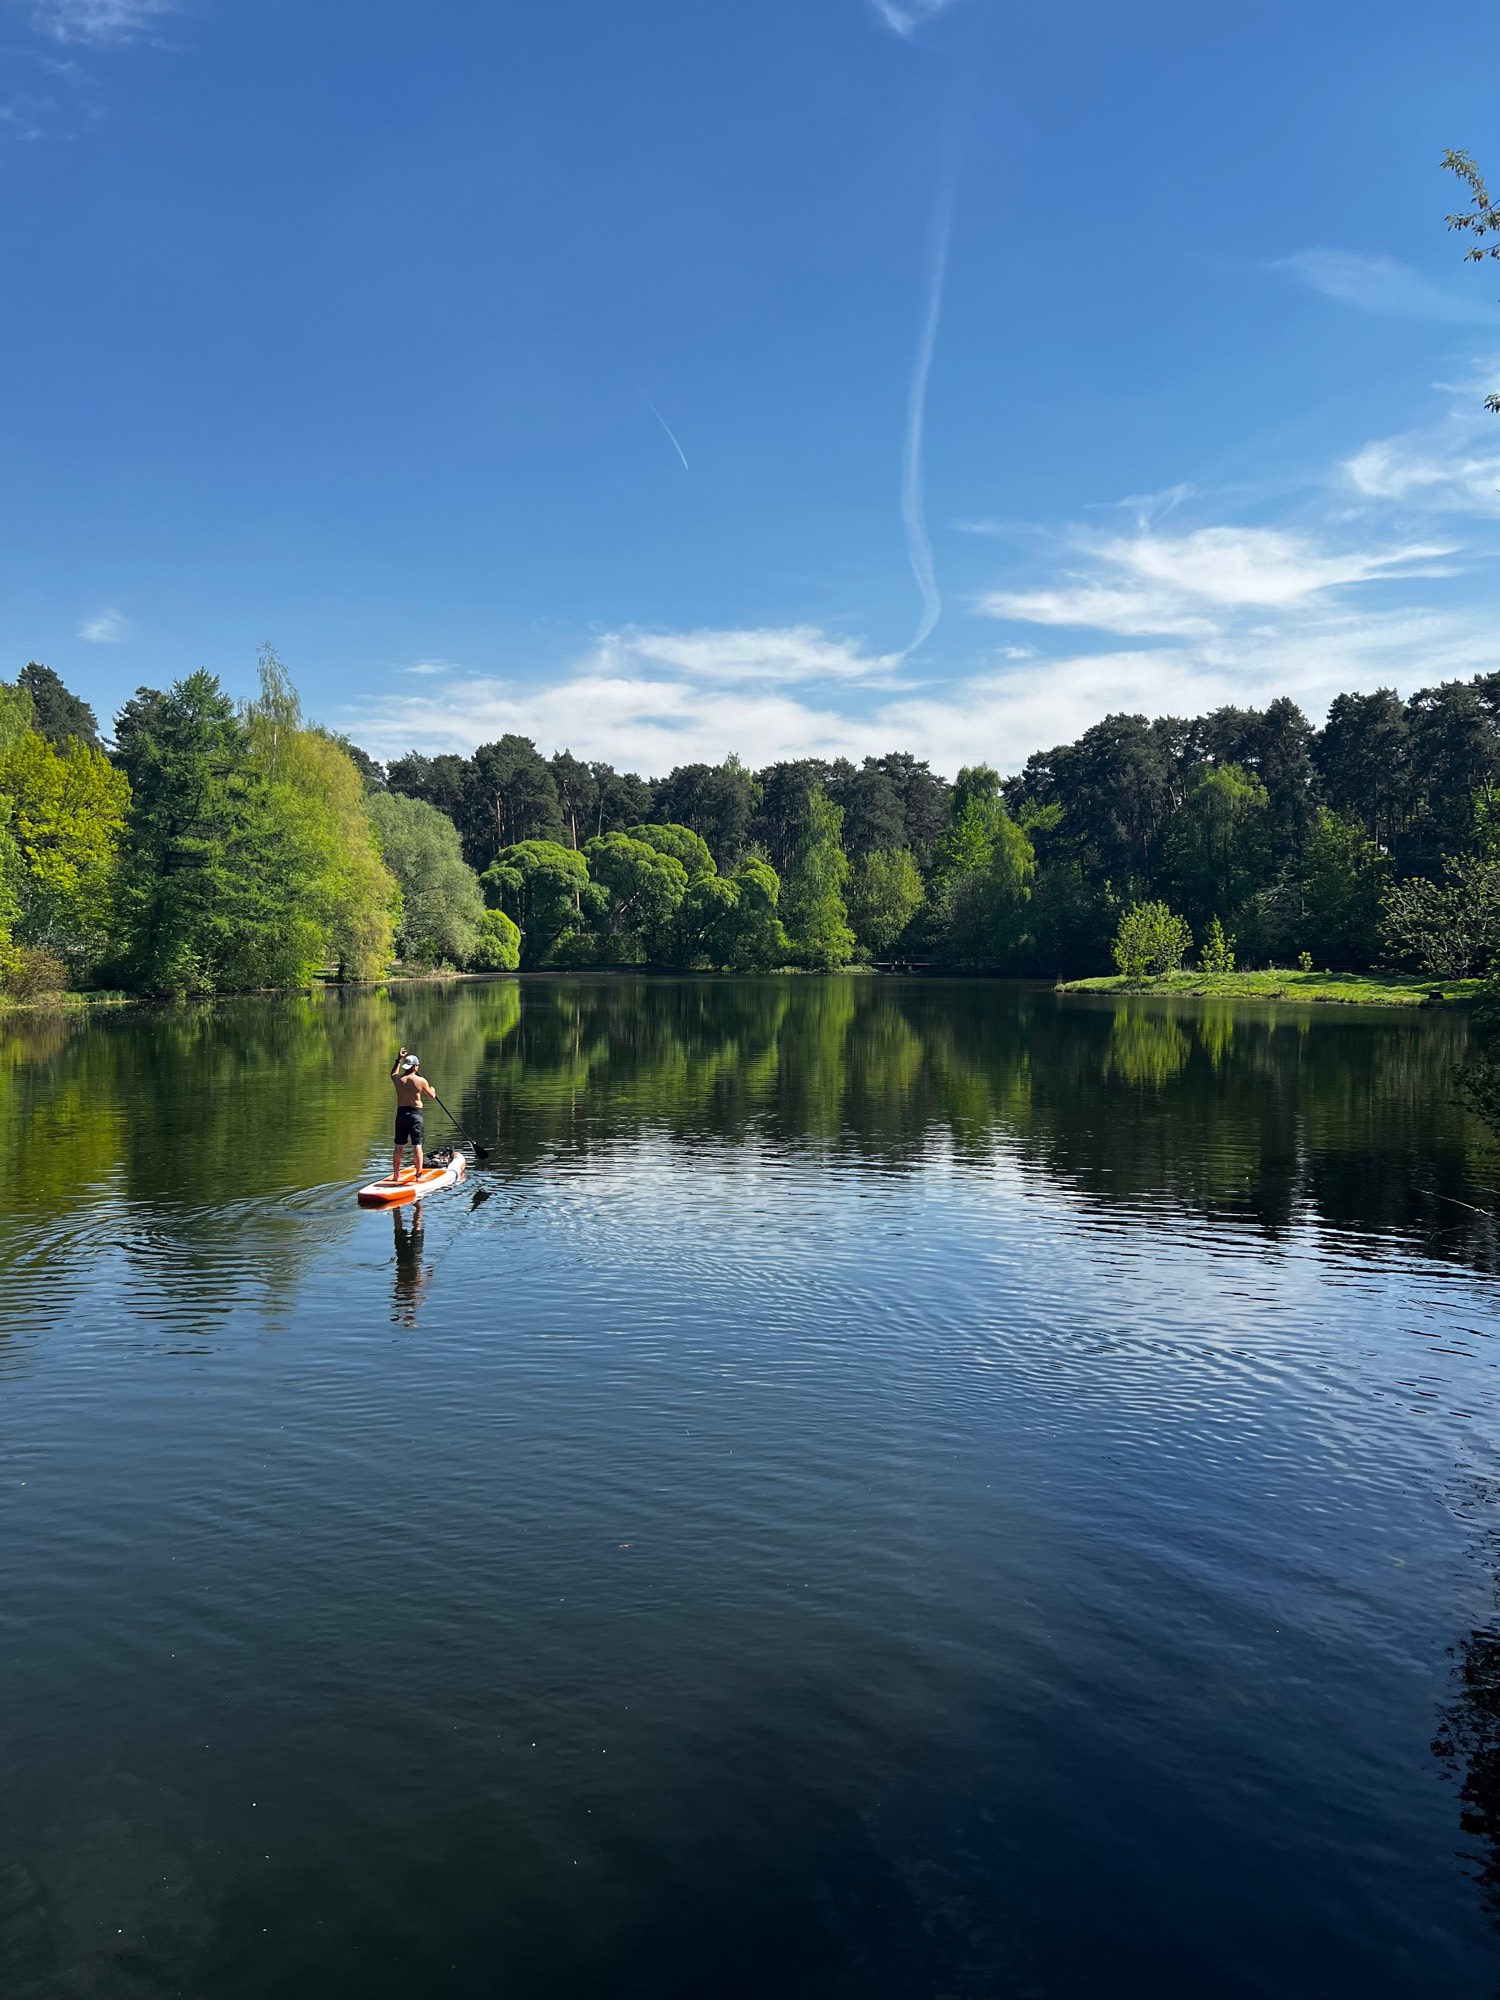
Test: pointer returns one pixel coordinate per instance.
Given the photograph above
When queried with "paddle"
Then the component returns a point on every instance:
(480, 1152)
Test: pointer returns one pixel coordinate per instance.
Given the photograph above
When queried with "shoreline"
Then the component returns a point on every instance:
(1348, 989)
(1339, 989)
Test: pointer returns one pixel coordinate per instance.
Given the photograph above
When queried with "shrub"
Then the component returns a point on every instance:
(1451, 931)
(497, 946)
(1218, 950)
(31, 972)
(1152, 941)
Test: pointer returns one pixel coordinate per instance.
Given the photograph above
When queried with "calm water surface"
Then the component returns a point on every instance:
(882, 1489)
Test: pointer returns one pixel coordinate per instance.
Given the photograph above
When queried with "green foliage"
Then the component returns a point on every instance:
(978, 813)
(730, 922)
(440, 899)
(1152, 942)
(358, 897)
(705, 925)
(31, 972)
(760, 940)
(885, 892)
(682, 844)
(1221, 814)
(545, 889)
(1072, 917)
(986, 908)
(57, 714)
(66, 815)
(1452, 931)
(1216, 849)
(16, 716)
(509, 795)
(213, 884)
(497, 943)
(815, 914)
(12, 870)
(643, 891)
(716, 801)
(1482, 217)
(981, 880)
(316, 793)
(1333, 907)
(1218, 950)
(1304, 961)
(253, 855)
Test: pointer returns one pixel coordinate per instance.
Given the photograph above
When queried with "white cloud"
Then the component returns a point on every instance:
(1191, 585)
(1261, 566)
(99, 21)
(769, 656)
(1005, 716)
(906, 16)
(428, 667)
(1208, 615)
(613, 707)
(1408, 470)
(1381, 285)
(107, 628)
(1100, 607)
(1448, 467)
(633, 721)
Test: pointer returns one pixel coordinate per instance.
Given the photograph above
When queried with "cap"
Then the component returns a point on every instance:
(411, 1063)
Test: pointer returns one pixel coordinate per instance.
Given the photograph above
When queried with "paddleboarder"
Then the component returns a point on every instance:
(411, 1088)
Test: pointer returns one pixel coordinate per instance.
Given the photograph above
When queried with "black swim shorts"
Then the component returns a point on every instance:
(408, 1125)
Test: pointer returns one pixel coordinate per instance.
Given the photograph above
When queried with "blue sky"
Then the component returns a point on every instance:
(564, 367)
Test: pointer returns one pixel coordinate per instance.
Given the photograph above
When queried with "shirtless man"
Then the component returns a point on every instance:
(411, 1088)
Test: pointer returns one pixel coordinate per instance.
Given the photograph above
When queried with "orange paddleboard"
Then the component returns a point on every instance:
(385, 1194)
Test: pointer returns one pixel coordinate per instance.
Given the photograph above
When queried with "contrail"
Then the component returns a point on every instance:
(669, 431)
(913, 497)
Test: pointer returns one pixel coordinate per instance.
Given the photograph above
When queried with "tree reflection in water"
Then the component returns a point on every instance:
(1146, 1050)
(1468, 1742)
(1268, 1114)
(207, 1121)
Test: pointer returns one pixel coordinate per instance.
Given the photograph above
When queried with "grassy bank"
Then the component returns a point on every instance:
(66, 1002)
(1357, 989)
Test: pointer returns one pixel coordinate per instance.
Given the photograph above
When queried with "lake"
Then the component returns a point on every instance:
(880, 1488)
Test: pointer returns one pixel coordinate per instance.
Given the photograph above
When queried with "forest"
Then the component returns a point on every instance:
(215, 847)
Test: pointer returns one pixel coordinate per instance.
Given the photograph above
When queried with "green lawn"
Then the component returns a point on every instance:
(1364, 989)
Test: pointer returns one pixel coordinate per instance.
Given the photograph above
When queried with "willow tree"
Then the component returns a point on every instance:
(544, 888)
(314, 788)
(643, 891)
(812, 894)
(440, 900)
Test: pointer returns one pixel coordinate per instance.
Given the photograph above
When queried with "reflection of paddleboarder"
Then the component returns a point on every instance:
(411, 1088)
(411, 1273)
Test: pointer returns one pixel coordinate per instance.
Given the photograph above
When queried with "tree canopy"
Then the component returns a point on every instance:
(217, 848)
(441, 903)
